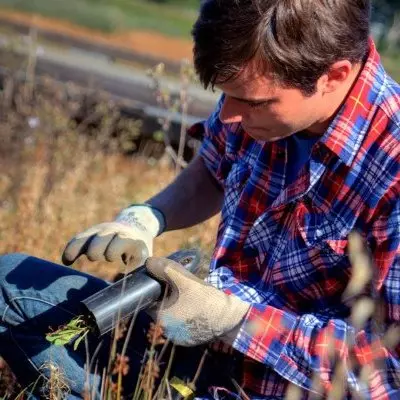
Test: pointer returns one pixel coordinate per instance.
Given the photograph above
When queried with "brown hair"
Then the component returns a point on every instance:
(295, 40)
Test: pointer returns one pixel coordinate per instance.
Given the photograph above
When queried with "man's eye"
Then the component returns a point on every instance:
(256, 105)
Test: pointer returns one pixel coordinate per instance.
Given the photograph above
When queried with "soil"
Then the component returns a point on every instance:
(152, 43)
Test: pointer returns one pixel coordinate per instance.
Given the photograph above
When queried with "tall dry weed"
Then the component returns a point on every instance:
(63, 171)
(57, 180)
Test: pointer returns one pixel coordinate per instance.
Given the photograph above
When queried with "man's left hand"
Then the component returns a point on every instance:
(193, 312)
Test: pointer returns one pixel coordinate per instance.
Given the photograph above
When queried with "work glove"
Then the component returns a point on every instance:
(194, 312)
(129, 238)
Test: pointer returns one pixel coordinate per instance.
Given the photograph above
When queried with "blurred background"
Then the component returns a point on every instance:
(95, 99)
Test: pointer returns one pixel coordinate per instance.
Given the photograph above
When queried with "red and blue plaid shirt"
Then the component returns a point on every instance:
(283, 249)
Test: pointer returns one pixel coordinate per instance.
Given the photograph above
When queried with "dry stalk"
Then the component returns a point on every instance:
(165, 100)
(56, 385)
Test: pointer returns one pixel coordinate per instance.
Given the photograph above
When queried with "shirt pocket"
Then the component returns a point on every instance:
(327, 232)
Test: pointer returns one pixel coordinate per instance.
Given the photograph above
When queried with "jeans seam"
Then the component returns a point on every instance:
(14, 299)
(26, 356)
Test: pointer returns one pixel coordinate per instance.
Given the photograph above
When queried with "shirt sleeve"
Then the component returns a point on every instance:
(303, 347)
(213, 136)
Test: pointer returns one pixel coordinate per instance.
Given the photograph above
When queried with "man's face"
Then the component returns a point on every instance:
(268, 111)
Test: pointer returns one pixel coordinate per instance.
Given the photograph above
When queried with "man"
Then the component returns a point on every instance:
(302, 149)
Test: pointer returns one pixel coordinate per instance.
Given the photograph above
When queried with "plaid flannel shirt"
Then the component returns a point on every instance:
(283, 249)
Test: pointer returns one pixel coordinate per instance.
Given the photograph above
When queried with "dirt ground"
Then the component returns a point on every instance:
(152, 43)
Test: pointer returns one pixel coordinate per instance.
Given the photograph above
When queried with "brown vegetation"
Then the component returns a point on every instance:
(58, 180)
(153, 43)
(62, 174)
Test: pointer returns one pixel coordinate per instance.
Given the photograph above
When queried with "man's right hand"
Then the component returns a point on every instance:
(128, 239)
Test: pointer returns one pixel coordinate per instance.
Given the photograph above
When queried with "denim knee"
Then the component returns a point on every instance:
(25, 276)
(10, 261)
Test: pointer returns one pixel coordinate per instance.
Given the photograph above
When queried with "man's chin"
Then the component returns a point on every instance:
(266, 136)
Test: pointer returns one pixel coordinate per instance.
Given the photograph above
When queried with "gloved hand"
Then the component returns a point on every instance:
(194, 312)
(128, 239)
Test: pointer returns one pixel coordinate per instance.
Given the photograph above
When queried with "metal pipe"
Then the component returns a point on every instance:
(135, 292)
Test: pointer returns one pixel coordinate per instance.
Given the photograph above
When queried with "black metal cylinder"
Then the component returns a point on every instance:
(135, 292)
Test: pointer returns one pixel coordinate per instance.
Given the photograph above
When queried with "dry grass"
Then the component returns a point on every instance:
(61, 174)
(58, 181)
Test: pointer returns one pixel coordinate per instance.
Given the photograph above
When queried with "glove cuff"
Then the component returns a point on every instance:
(143, 216)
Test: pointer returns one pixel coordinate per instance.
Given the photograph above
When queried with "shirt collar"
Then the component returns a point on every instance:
(347, 131)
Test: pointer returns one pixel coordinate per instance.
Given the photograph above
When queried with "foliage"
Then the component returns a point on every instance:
(61, 174)
(386, 24)
(392, 65)
(56, 180)
(75, 331)
(118, 15)
(383, 10)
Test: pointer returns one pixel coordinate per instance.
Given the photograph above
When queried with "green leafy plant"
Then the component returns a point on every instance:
(75, 331)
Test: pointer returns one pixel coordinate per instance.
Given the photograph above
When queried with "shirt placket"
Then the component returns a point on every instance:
(287, 201)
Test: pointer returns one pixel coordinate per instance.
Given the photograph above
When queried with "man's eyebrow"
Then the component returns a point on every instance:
(254, 101)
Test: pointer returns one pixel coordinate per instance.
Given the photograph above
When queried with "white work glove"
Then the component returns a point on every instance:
(129, 238)
(194, 312)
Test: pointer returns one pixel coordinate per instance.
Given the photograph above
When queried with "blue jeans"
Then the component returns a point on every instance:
(37, 294)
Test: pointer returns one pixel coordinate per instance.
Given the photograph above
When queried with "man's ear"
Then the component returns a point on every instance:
(338, 74)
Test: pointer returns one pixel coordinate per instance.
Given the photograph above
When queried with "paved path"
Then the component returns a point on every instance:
(96, 70)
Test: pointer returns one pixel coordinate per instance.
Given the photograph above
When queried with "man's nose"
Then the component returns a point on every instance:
(230, 111)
